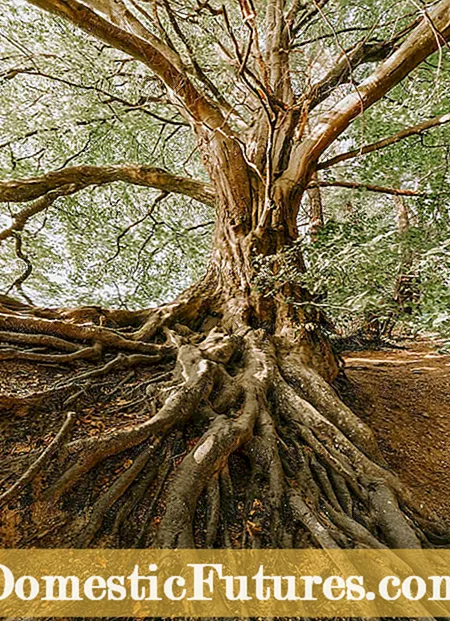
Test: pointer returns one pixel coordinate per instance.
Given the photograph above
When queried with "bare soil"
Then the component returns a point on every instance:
(404, 395)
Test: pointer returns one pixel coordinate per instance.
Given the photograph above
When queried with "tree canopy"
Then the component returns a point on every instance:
(72, 101)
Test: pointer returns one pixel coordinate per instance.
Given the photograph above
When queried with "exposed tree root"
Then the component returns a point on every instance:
(310, 521)
(213, 513)
(193, 304)
(37, 466)
(390, 519)
(145, 534)
(242, 445)
(136, 495)
(21, 405)
(71, 331)
(119, 362)
(86, 353)
(177, 409)
(39, 340)
(116, 491)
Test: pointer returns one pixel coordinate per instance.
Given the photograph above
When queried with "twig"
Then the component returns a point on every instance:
(353, 185)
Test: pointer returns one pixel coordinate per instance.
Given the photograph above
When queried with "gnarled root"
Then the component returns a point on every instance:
(236, 443)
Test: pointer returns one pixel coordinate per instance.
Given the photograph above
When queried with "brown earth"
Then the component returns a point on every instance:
(404, 395)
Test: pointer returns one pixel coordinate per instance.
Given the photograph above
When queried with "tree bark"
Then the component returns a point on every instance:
(316, 219)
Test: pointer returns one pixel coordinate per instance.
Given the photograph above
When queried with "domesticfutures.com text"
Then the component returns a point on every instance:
(203, 582)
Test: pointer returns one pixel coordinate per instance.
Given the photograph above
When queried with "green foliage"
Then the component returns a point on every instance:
(105, 247)
(74, 102)
(353, 269)
(433, 265)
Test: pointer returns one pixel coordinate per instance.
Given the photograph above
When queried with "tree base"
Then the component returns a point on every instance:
(199, 438)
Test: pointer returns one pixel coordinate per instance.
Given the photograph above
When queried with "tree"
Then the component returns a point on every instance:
(236, 371)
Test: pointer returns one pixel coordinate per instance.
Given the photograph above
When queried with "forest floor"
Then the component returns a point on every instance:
(403, 393)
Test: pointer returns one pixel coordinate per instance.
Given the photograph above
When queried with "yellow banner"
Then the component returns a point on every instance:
(224, 583)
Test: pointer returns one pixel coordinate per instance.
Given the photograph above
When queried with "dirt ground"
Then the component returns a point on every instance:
(404, 395)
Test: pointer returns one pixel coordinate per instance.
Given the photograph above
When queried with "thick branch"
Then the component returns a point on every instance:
(79, 177)
(423, 41)
(277, 49)
(354, 185)
(67, 181)
(386, 142)
(117, 12)
(196, 104)
(360, 54)
(345, 65)
(21, 218)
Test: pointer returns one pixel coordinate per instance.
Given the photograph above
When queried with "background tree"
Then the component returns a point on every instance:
(239, 439)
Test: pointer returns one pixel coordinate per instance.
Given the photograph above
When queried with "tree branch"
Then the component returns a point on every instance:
(204, 115)
(354, 185)
(17, 284)
(365, 51)
(419, 44)
(21, 218)
(307, 11)
(79, 177)
(277, 49)
(386, 142)
(196, 104)
(345, 65)
(117, 12)
(49, 187)
(139, 106)
(198, 70)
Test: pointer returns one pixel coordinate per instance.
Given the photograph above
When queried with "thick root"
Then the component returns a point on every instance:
(214, 440)
(73, 332)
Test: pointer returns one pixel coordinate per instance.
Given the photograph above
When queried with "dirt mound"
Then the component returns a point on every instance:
(404, 395)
